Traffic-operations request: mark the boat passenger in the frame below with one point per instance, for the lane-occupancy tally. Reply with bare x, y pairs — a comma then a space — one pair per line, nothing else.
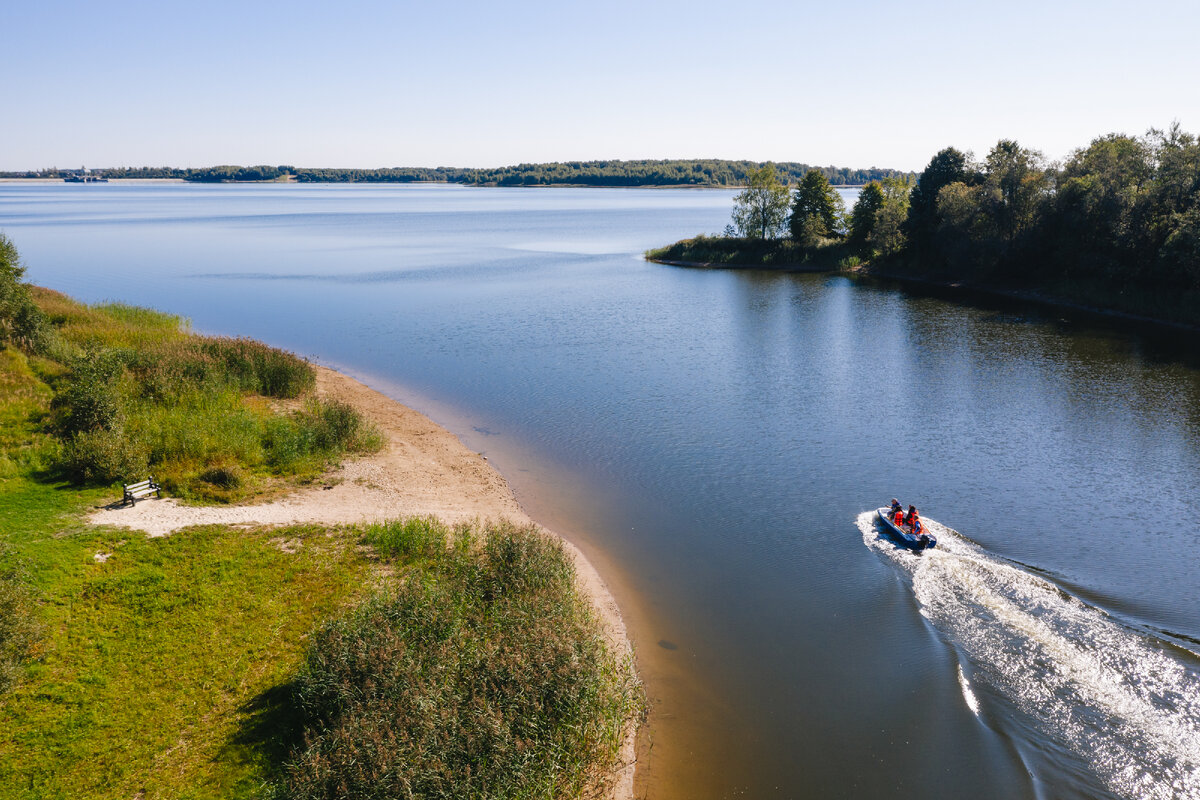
896, 506
898, 516
917, 527
911, 515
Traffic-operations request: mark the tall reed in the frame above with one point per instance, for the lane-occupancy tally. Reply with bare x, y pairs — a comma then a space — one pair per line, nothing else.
485, 676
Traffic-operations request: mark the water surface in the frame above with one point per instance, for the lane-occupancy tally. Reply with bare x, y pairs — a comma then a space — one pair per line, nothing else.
715, 440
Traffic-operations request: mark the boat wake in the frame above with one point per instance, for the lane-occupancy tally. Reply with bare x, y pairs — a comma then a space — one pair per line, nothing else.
1125, 702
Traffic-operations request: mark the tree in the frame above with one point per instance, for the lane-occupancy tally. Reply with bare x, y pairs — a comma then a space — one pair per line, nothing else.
862, 217
1092, 226
21, 321
760, 210
947, 167
887, 236
817, 210
1014, 184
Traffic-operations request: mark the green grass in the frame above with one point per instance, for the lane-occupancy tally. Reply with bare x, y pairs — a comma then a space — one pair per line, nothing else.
152, 661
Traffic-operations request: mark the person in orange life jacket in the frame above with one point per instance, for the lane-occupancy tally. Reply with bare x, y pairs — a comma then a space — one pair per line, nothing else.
911, 515
917, 527
897, 513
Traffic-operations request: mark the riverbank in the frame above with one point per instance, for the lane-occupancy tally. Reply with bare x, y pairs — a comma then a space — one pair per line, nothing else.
422, 469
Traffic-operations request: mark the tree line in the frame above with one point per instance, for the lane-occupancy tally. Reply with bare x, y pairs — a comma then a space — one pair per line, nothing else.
676, 172
1116, 223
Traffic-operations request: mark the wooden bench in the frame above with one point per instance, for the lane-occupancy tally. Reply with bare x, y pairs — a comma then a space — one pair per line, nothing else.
136, 491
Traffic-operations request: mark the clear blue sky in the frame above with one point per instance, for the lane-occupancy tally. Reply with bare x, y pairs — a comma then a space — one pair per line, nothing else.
470, 83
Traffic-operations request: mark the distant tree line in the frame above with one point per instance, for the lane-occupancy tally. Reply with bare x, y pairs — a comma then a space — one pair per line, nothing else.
233, 174
710, 172
108, 172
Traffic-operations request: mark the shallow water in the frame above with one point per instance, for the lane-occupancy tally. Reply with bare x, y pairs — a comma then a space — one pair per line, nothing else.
713, 440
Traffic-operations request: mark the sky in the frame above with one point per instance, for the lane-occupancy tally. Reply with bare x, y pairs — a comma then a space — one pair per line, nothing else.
466, 83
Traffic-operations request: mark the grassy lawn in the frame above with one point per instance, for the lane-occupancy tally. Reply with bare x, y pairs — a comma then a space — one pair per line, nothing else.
155, 662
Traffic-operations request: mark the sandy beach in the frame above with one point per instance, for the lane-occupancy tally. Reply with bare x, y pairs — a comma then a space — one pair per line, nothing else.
421, 470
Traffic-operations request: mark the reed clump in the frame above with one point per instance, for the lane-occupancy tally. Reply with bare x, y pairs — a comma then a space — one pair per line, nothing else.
483, 675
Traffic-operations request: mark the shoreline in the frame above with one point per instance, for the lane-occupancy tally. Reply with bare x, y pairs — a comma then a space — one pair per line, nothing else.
1021, 295
1030, 296
741, 267
423, 469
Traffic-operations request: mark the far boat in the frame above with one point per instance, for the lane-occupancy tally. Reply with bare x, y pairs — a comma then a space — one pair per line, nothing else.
902, 535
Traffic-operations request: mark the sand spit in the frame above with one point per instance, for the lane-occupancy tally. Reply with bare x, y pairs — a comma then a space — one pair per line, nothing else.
422, 469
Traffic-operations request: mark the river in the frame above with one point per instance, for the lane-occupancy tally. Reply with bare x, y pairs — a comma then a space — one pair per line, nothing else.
715, 442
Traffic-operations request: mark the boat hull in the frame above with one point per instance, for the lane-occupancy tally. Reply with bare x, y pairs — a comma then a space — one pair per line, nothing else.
903, 537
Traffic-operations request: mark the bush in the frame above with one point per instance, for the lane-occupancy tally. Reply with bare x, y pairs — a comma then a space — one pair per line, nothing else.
325, 430
91, 400
336, 425
486, 677
102, 457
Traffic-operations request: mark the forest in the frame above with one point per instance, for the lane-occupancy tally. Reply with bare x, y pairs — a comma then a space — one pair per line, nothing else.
1116, 224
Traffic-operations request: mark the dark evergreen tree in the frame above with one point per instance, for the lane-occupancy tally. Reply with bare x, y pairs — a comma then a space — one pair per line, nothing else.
862, 218
948, 166
816, 210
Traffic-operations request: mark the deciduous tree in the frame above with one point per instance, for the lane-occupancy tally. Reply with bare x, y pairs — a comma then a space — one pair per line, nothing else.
760, 210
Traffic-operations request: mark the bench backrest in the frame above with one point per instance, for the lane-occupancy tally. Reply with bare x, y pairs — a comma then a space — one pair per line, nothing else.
133, 487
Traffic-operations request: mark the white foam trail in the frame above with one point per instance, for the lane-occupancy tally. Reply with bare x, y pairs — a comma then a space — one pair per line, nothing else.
968, 695
1117, 697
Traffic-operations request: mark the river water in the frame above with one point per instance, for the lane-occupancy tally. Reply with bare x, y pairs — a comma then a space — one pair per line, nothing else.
715, 442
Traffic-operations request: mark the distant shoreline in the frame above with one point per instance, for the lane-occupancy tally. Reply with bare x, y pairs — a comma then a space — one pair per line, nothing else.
108, 180
730, 187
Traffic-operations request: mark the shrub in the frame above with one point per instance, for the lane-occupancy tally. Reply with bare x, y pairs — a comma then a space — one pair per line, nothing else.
486, 677
91, 400
102, 456
288, 445
336, 425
